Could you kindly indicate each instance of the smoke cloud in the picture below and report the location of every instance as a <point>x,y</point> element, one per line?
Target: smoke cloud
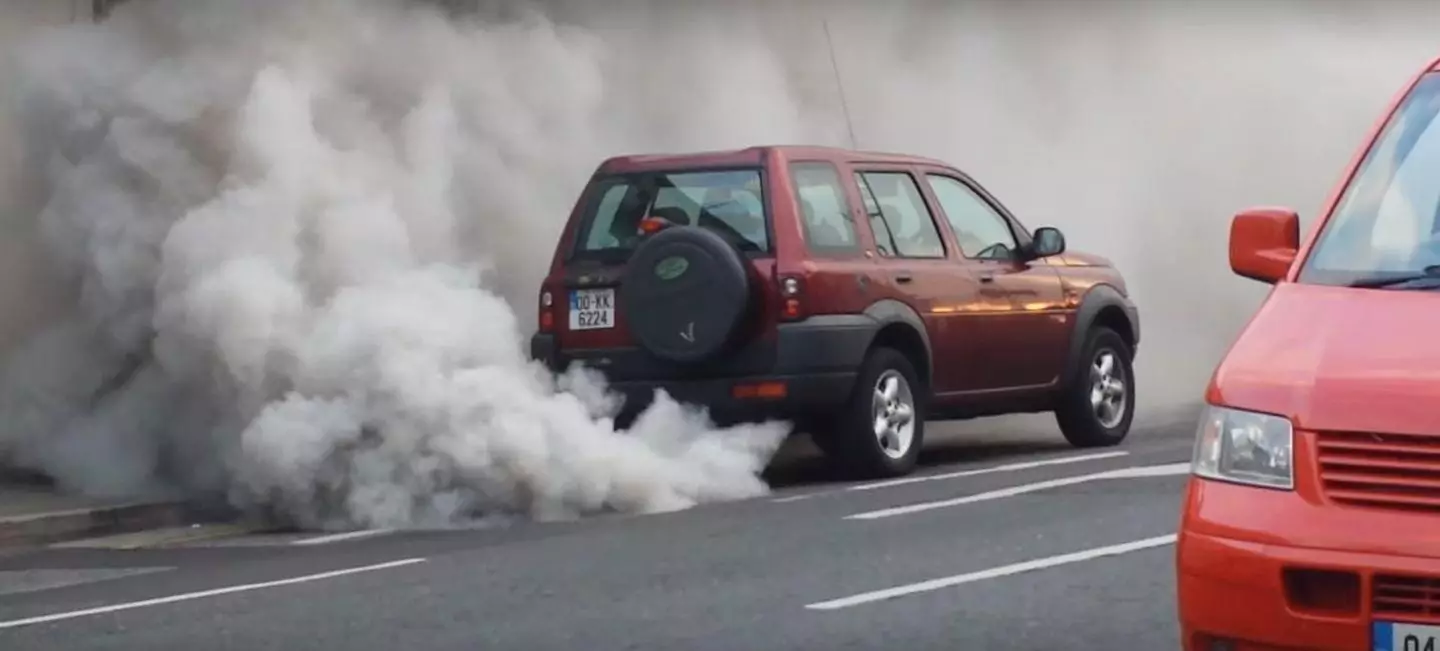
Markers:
<point>288,251</point>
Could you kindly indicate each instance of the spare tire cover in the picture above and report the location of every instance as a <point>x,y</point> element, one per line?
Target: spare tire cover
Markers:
<point>684,293</point>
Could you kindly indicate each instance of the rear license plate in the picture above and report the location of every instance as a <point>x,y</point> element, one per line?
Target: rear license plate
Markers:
<point>592,309</point>
<point>1395,636</point>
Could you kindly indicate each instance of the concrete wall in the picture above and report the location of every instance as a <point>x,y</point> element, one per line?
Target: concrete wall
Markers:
<point>29,295</point>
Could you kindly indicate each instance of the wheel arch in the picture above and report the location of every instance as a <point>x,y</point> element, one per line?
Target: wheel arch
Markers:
<point>1104,306</point>
<point>900,327</point>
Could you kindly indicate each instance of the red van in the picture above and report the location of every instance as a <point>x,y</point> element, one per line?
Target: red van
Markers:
<point>1312,519</point>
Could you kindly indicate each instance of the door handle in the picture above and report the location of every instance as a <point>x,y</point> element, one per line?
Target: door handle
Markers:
<point>903,277</point>
<point>987,278</point>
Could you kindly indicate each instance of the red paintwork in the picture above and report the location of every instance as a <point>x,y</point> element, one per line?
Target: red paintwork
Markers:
<point>1004,339</point>
<point>1080,259</point>
<point>1335,358</point>
<point>1332,359</point>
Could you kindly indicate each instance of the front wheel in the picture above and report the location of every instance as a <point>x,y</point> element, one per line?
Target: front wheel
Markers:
<point>1098,403</point>
<point>882,426</point>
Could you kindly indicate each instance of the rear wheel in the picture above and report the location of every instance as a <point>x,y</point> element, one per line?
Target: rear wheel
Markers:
<point>880,431</point>
<point>1098,404</point>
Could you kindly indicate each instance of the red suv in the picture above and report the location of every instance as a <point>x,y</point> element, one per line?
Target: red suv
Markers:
<point>856,294</point>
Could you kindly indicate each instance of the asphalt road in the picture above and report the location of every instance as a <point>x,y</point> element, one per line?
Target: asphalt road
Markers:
<point>1006,540</point>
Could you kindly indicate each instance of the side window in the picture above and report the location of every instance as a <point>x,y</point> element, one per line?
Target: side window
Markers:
<point>902,223</point>
<point>824,212</point>
<point>884,240</point>
<point>979,230</point>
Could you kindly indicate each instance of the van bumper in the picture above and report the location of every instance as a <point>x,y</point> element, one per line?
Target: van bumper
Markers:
<point>1265,570</point>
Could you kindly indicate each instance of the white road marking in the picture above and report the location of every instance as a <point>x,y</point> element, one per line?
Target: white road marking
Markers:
<point>992,573</point>
<point>75,614</point>
<point>796,498</point>
<point>1009,467</point>
<point>338,537</point>
<point>1164,470</point>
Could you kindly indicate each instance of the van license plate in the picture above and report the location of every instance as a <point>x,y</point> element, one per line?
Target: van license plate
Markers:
<point>592,309</point>
<point>1394,636</point>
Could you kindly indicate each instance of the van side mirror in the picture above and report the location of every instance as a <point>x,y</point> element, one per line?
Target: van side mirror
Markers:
<point>1264,243</point>
<point>1047,241</point>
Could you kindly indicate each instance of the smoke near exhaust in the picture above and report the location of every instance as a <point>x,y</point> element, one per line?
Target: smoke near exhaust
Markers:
<point>289,250</point>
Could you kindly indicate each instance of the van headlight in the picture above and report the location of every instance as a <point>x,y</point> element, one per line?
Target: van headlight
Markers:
<point>1245,447</point>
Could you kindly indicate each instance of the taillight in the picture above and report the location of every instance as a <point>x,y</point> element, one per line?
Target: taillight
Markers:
<point>547,311</point>
<point>652,225</point>
<point>792,298</point>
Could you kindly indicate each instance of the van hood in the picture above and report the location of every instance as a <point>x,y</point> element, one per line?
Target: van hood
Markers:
<point>1340,359</point>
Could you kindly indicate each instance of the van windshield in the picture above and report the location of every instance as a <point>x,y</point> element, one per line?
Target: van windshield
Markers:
<point>730,202</point>
<point>1387,223</point>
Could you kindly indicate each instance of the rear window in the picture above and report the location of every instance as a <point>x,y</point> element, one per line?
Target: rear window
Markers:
<point>729,202</point>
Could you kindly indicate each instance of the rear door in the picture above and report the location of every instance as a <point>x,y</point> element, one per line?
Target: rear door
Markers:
<point>839,275</point>
<point>1027,346</point>
<point>915,268</point>
<point>589,324</point>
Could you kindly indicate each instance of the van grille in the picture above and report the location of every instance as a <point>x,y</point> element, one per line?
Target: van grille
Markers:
<point>1390,471</point>
<point>1405,596</point>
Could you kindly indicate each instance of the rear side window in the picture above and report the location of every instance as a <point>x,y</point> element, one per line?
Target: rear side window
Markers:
<point>729,202</point>
<point>824,212</point>
<point>901,221</point>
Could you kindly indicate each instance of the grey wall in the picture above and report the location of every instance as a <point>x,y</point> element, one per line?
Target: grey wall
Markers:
<point>28,294</point>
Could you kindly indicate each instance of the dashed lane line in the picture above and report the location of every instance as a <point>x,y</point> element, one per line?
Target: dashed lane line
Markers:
<point>959,474</point>
<point>340,537</point>
<point>1137,472</point>
<point>1009,467</point>
<point>204,594</point>
<point>992,573</point>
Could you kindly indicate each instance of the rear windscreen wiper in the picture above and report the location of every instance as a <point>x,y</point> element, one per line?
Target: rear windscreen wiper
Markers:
<point>1428,277</point>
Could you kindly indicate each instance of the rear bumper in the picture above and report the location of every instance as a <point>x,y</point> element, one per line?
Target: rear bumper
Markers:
<point>816,361</point>
<point>1252,572</point>
<point>805,396</point>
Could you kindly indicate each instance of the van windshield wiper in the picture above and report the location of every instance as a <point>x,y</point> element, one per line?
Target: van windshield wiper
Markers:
<point>1426,278</point>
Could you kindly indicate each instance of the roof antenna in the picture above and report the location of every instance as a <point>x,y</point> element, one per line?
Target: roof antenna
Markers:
<point>839,83</point>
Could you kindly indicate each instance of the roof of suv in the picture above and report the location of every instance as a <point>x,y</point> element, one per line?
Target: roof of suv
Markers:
<point>754,156</point>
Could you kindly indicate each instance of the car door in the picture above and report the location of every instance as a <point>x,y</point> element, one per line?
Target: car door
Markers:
<point>1028,343</point>
<point>917,269</point>
<point>841,275</point>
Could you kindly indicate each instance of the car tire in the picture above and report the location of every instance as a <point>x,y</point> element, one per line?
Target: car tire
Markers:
<point>1097,405</point>
<point>854,441</point>
<point>661,310</point>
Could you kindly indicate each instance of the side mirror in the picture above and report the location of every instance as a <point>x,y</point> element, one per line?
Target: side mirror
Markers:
<point>1047,241</point>
<point>1264,243</point>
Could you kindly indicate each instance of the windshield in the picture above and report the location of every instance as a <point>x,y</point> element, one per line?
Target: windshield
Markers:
<point>729,202</point>
<point>1386,222</point>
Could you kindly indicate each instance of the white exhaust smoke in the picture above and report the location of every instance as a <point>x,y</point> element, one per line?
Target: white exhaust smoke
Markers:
<point>304,237</point>
<point>280,236</point>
